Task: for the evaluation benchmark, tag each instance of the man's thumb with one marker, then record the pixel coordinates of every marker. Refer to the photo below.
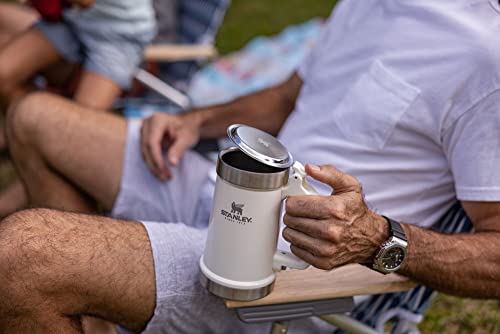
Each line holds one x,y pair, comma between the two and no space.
339,181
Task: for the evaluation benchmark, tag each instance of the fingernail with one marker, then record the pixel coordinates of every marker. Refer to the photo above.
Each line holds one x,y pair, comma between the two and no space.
314,168
174,161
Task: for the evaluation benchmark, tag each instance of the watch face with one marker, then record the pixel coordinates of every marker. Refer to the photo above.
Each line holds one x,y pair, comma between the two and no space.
393,258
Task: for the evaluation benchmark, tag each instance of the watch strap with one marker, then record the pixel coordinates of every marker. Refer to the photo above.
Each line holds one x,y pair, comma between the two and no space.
395,229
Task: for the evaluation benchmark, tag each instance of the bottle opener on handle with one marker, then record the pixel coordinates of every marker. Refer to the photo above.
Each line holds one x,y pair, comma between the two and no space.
297,185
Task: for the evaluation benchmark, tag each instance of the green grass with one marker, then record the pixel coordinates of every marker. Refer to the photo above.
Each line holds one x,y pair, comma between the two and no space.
449,315
248,18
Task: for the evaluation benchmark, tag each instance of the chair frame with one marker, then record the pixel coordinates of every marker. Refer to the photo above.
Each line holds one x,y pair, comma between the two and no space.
290,300
202,50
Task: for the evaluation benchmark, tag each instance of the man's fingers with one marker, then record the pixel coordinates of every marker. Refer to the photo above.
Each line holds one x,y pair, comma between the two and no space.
318,262
339,181
157,132
308,206
317,247
177,149
156,155
148,153
319,229
147,159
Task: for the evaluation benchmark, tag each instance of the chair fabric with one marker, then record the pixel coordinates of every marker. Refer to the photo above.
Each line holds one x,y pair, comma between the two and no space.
197,23
417,300
166,18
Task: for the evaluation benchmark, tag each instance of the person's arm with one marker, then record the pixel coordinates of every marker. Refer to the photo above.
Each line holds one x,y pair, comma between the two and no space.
466,265
330,231
266,110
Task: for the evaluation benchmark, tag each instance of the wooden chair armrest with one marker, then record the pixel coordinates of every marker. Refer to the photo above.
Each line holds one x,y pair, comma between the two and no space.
179,52
314,284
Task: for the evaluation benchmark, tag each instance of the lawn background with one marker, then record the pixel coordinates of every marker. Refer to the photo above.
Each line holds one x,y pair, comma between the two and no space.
249,18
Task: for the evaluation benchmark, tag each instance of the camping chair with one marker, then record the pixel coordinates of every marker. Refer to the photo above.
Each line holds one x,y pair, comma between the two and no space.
197,24
328,295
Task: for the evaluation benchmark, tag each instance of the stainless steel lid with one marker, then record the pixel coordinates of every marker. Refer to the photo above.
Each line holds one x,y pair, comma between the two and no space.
260,145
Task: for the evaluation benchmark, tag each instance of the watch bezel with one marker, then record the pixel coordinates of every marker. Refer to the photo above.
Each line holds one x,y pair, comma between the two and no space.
393,242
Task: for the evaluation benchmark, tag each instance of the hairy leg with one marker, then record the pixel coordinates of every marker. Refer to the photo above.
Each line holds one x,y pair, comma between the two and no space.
61,149
96,92
56,267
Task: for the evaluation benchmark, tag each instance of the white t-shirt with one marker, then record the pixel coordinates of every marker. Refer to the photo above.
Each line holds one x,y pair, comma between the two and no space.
405,95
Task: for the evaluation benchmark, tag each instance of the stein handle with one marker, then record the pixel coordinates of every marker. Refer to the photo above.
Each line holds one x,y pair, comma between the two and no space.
297,185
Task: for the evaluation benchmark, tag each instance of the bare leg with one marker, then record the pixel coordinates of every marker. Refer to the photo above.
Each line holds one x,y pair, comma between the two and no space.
61,149
57,267
13,198
96,92
20,59
42,177
14,19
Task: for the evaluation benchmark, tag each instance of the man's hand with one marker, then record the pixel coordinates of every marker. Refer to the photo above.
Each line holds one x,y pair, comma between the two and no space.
173,133
330,231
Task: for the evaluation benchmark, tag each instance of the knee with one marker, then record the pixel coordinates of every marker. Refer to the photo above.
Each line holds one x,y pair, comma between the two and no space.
23,119
24,258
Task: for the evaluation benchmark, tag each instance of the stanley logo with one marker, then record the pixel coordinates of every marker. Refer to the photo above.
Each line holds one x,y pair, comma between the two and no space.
237,208
236,214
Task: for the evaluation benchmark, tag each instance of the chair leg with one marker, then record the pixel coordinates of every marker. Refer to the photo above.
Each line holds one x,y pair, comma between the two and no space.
348,324
280,327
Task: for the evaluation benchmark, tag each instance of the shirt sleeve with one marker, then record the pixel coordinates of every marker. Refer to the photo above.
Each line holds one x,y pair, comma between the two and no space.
472,147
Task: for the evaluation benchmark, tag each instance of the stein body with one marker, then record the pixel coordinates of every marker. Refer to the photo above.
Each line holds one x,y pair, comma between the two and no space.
240,257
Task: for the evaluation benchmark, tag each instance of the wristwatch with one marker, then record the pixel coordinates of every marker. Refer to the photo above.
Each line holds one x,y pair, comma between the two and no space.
392,253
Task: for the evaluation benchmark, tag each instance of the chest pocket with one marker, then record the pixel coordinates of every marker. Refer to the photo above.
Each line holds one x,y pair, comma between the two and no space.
372,107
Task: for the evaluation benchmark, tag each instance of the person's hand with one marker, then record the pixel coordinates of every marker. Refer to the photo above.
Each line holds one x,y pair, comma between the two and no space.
330,231
173,133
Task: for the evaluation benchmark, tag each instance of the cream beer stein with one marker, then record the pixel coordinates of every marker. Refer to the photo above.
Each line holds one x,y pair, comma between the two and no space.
253,179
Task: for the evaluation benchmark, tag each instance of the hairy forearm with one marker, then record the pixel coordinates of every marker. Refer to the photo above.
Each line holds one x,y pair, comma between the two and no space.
266,110
466,265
